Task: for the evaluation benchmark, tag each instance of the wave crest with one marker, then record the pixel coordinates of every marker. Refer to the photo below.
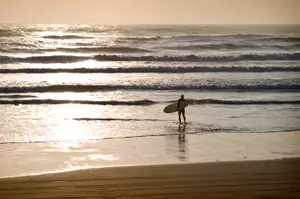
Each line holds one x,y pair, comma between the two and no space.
93,88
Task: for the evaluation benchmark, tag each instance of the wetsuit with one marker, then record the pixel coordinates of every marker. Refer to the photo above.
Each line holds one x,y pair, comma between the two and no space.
181,109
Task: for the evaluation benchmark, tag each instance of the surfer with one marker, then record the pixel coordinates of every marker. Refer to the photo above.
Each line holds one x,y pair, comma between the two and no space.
181,109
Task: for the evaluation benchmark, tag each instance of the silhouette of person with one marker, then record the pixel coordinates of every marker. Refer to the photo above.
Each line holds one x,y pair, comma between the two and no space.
181,109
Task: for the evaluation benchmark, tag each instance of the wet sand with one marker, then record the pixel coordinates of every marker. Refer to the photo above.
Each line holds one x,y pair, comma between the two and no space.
248,179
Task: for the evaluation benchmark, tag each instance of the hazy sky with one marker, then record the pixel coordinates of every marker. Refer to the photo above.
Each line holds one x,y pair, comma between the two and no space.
151,11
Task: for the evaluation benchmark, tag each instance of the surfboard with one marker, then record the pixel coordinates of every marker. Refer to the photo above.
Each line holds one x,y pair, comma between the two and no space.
171,108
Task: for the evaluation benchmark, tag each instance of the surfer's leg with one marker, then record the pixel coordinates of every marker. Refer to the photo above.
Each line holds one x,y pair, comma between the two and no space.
183,115
179,117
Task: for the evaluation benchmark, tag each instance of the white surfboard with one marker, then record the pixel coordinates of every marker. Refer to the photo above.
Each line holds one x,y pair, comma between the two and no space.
173,107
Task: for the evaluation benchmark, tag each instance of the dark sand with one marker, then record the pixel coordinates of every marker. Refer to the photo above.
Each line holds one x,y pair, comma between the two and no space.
251,179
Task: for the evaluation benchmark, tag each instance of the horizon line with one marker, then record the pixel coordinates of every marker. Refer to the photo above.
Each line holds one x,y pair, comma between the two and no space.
149,24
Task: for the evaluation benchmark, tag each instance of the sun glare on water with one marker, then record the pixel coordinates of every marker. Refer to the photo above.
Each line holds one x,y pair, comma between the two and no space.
64,128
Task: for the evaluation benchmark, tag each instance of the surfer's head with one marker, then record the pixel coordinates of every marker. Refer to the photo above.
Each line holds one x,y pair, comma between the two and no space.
182,96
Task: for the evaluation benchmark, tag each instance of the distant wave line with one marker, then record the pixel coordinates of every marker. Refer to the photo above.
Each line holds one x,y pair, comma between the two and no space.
232,46
17,96
94,88
195,69
67,37
89,48
211,37
112,49
248,37
146,102
201,36
53,101
149,58
139,39
194,58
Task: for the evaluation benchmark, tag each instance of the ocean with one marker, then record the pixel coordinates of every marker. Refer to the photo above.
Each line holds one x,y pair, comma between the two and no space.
80,96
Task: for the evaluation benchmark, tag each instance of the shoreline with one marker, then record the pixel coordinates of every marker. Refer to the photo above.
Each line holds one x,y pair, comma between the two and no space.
141,166
62,172
236,179
21,160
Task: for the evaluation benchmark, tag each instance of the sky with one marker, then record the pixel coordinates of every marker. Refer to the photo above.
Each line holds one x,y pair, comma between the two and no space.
150,11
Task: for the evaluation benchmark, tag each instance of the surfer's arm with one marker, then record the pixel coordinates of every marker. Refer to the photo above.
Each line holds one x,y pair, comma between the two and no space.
178,102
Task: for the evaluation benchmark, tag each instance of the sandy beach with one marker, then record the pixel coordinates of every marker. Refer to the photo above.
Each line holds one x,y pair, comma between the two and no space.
247,179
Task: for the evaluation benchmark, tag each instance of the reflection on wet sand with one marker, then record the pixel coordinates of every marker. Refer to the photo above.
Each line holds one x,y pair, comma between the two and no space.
176,143
181,143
